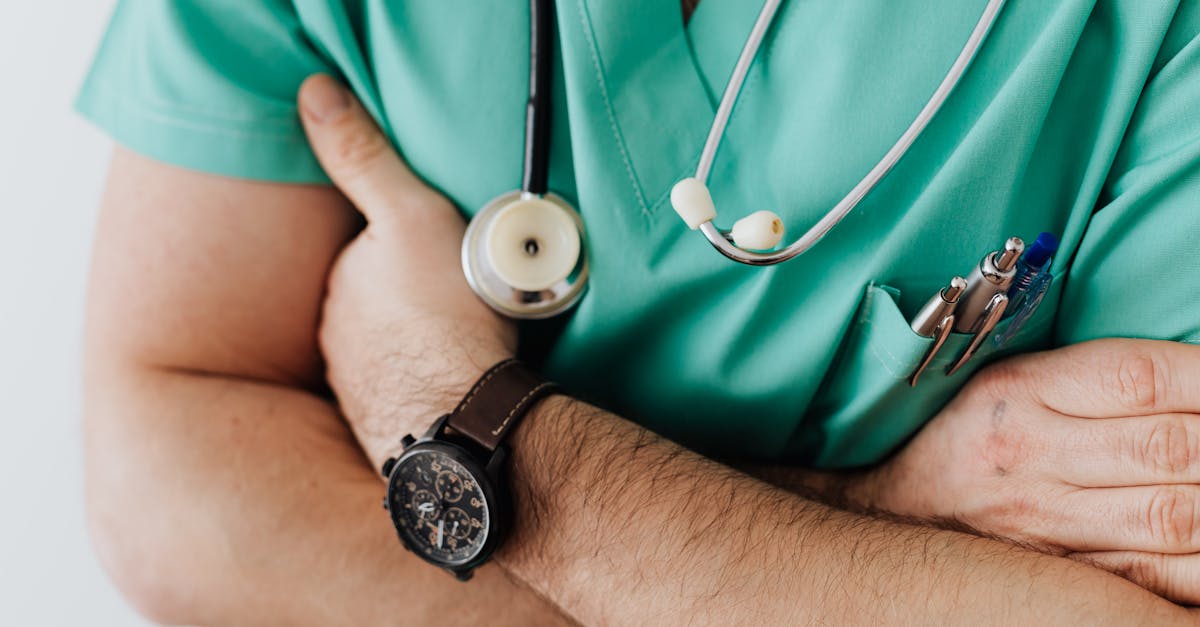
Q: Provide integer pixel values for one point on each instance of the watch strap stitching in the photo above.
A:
(482, 381)
(521, 405)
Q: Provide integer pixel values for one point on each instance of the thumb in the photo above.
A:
(357, 156)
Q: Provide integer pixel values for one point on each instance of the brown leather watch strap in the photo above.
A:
(498, 401)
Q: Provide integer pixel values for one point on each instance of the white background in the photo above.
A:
(51, 171)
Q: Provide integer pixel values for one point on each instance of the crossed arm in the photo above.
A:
(224, 487)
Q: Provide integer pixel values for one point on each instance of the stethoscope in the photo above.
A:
(523, 253)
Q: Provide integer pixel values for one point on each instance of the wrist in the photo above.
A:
(406, 394)
(448, 493)
(444, 379)
(547, 449)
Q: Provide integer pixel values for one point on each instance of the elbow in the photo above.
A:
(129, 504)
(138, 558)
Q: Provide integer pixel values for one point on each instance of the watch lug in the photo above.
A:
(437, 427)
(407, 441)
(388, 465)
(496, 462)
(463, 575)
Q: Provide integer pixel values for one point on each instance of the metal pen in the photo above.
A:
(987, 321)
(993, 275)
(936, 320)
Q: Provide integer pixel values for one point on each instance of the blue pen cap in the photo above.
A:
(1042, 249)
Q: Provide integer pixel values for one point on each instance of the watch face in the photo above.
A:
(439, 507)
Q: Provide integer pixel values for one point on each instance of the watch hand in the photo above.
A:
(455, 529)
(441, 523)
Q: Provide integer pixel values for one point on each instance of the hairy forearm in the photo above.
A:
(849, 490)
(217, 500)
(620, 526)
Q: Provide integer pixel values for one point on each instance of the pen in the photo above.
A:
(993, 275)
(1029, 286)
(926, 322)
(935, 320)
(1033, 265)
(987, 321)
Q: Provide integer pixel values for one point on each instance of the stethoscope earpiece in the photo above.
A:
(761, 230)
(754, 239)
(692, 201)
(523, 255)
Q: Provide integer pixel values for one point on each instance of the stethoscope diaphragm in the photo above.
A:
(523, 255)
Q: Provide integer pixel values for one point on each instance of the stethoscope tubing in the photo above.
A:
(537, 108)
(720, 239)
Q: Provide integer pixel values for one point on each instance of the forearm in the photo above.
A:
(620, 526)
(224, 501)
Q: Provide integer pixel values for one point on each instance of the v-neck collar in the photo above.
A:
(656, 83)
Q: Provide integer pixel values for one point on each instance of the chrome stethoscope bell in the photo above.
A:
(523, 255)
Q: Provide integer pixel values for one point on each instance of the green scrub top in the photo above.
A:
(1079, 117)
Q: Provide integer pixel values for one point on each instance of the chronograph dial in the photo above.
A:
(425, 505)
(450, 486)
(447, 493)
(442, 504)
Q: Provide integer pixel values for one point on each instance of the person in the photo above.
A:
(224, 486)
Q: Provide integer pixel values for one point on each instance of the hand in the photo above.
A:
(1091, 451)
(403, 335)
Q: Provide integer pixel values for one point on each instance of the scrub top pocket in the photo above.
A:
(866, 405)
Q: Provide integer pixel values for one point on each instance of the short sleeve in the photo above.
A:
(1137, 270)
(208, 85)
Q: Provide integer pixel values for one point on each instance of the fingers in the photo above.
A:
(357, 155)
(1115, 452)
(1113, 378)
(1156, 519)
(1175, 577)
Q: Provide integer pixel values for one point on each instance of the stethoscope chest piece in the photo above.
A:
(523, 255)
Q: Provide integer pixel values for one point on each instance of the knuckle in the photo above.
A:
(1006, 447)
(1169, 447)
(359, 146)
(1171, 518)
(1138, 380)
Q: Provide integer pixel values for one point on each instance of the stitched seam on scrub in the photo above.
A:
(284, 112)
(875, 346)
(741, 99)
(168, 114)
(594, 50)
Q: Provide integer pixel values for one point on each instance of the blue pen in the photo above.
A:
(1029, 286)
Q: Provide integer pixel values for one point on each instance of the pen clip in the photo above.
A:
(990, 318)
(940, 333)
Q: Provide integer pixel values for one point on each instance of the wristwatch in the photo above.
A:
(447, 493)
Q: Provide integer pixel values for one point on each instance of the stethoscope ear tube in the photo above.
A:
(723, 240)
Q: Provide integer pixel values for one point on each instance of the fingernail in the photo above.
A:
(325, 99)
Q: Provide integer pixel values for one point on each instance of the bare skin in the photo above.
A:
(617, 527)
(223, 487)
(1090, 451)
